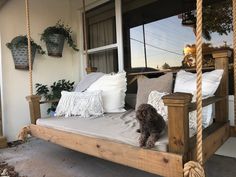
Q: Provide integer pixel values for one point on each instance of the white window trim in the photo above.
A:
(119, 34)
(103, 48)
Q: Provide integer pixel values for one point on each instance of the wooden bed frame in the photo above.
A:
(181, 147)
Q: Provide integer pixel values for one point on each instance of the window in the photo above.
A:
(157, 37)
(105, 37)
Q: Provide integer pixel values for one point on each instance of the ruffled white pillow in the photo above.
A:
(82, 104)
(155, 99)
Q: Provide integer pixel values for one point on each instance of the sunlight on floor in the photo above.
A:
(228, 149)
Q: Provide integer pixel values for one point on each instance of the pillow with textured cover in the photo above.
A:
(146, 85)
(113, 87)
(186, 82)
(155, 99)
(82, 104)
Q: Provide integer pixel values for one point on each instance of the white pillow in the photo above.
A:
(113, 88)
(186, 82)
(80, 104)
(155, 99)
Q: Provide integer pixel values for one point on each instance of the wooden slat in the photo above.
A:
(214, 137)
(3, 142)
(161, 163)
(222, 62)
(49, 101)
(206, 102)
(34, 107)
(169, 70)
(232, 131)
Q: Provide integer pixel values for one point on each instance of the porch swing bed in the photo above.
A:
(114, 137)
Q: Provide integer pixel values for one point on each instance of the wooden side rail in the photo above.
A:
(206, 102)
(49, 101)
(178, 122)
(34, 106)
(179, 106)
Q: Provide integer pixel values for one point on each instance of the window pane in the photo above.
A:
(165, 41)
(101, 26)
(105, 61)
(137, 47)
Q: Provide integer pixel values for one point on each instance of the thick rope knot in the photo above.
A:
(193, 169)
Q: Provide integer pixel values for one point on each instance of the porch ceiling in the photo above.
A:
(2, 2)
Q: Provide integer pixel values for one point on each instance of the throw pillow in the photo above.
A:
(113, 87)
(83, 104)
(146, 85)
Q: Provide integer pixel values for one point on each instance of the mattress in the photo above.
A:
(119, 127)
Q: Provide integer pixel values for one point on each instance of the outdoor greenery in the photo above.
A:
(59, 28)
(54, 92)
(217, 17)
(23, 41)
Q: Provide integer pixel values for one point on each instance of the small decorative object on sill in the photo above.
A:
(91, 69)
(55, 36)
(19, 50)
(54, 93)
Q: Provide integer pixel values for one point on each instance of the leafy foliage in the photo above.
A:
(59, 28)
(23, 41)
(54, 92)
(165, 66)
(217, 17)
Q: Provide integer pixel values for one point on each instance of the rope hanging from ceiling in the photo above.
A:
(27, 15)
(191, 168)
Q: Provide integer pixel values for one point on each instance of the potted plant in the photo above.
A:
(19, 50)
(54, 93)
(55, 36)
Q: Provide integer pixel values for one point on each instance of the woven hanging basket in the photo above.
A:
(20, 56)
(55, 45)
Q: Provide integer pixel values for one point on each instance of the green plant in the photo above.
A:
(54, 92)
(59, 28)
(23, 41)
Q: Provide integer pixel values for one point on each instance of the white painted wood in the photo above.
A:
(119, 34)
(1, 91)
(92, 5)
(102, 48)
(81, 45)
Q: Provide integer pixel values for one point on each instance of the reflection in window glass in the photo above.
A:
(164, 42)
(136, 46)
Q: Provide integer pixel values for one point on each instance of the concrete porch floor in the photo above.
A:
(38, 158)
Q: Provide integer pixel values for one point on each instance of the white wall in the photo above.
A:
(43, 13)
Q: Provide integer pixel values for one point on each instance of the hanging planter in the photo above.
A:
(55, 36)
(19, 50)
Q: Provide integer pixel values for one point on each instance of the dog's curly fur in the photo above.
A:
(151, 125)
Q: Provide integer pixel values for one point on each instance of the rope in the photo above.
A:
(195, 169)
(85, 35)
(29, 45)
(234, 41)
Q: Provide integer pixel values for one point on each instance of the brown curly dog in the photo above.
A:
(151, 125)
